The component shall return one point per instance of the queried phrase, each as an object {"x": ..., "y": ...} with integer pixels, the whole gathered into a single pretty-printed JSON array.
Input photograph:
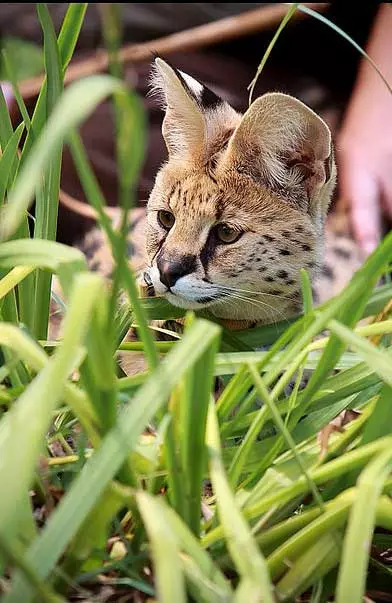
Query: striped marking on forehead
[{"x": 194, "y": 196}]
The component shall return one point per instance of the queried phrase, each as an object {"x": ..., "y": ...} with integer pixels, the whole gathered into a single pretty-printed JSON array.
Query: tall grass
[{"x": 109, "y": 476}]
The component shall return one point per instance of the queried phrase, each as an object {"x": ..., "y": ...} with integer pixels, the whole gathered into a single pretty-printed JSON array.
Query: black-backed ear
[
  {"x": 196, "y": 120},
  {"x": 283, "y": 144}
]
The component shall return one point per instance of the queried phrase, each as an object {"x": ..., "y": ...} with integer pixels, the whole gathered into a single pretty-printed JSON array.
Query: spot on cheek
[{"x": 282, "y": 274}]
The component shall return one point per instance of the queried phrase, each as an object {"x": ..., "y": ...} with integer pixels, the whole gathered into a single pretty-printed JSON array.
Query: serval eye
[
  {"x": 227, "y": 234},
  {"x": 166, "y": 219}
]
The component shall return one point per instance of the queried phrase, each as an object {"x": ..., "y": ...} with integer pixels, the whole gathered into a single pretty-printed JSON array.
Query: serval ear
[
  {"x": 284, "y": 145},
  {"x": 197, "y": 122}
]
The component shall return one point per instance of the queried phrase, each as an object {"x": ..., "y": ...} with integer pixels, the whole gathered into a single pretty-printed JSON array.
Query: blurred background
[{"x": 310, "y": 61}]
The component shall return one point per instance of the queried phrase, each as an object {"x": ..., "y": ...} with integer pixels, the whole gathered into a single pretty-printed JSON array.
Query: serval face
[{"x": 239, "y": 207}]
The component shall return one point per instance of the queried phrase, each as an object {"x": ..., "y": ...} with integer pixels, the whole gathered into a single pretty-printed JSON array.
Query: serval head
[{"x": 239, "y": 207}]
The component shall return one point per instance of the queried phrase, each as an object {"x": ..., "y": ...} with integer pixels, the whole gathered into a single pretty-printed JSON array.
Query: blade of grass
[
  {"x": 67, "y": 40},
  {"x": 30, "y": 352},
  {"x": 200, "y": 586},
  {"x": 380, "y": 421},
  {"x": 307, "y": 10},
  {"x": 350, "y": 311},
  {"x": 6, "y": 129},
  {"x": 191, "y": 546},
  {"x": 10, "y": 71},
  {"x": 46, "y": 206},
  {"x": 14, "y": 277},
  {"x": 174, "y": 480},
  {"x": 375, "y": 358},
  {"x": 193, "y": 417},
  {"x": 44, "y": 254},
  {"x": 87, "y": 546},
  {"x": 15, "y": 558},
  {"x": 240, "y": 542},
  {"x": 310, "y": 567},
  {"x": 95, "y": 197},
  {"x": 351, "y": 460},
  {"x": 8, "y": 159},
  {"x": 23, "y": 438},
  {"x": 328, "y": 523},
  {"x": 169, "y": 575},
  {"x": 70, "y": 29},
  {"x": 101, "y": 468},
  {"x": 290, "y": 11},
  {"x": 77, "y": 102},
  {"x": 355, "y": 555},
  {"x": 268, "y": 334},
  {"x": 285, "y": 434}
]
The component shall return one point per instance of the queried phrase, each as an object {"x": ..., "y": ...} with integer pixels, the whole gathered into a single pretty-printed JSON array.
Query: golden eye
[
  {"x": 227, "y": 234},
  {"x": 166, "y": 219}
]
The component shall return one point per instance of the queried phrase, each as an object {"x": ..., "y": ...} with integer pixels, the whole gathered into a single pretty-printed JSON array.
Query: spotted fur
[{"x": 269, "y": 175}]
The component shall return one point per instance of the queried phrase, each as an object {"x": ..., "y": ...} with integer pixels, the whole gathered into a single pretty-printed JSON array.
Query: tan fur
[{"x": 268, "y": 174}]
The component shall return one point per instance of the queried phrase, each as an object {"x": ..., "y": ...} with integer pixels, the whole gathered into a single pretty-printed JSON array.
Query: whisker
[
  {"x": 270, "y": 311},
  {"x": 237, "y": 289}
]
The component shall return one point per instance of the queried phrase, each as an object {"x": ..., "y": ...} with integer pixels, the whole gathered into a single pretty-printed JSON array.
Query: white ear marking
[
  {"x": 195, "y": 86},
  {"x": 195, "y": 118}
]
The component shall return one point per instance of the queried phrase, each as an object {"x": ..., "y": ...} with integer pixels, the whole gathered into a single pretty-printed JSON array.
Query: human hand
[
  {"x": 364, "y": 144},
  {"x": 364, "y": 149}
]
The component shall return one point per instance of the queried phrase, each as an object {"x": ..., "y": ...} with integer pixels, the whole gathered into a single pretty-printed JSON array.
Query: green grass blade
[
  {"x": 380, "y": 421},
  {"x": 15, "y": 558},
  {"x": 67, "y": 39},
  {"x": 240, "y": 542},
  {"x": 70, "y": 31},
  {"x": 375, "y": 358},
  {"x": 10, "y": 71},
  {"x": 247, "y": 591},
  {"x": 190, "y": 545},
  {"x": 193, "y": 416},
  {"x": 7, "y": 161},
  {"x": 92, "y": 537},
  {"x": 310, "y": 567},
  {"x": 328, "y": 522},
  {"x": 285, "y": 434},
  {"x": 244, "y": 449},
  {"x": 6, "y": 129},
  {"x": 200, "y": 586},
  {"x": 30, "y": 352},
  {"x": 22, "y": 438},
  {"x": 355, "y": 556},
  {"x": 352, "y": 303},
  {"x": 169, "y": 576},
  {"x": 307, "y": 10},
  {"x": 102, "y": 467},
  {"x": 46, "y": 206},
  {"x": 255, "y": 506},
  {"x": 95, "y": 197},
  {"x": 15, "y": 276},
  {"x": 291, "y": 10},
  {"x": 44, "y": 254},
  {"x": 77, "y": 102}
]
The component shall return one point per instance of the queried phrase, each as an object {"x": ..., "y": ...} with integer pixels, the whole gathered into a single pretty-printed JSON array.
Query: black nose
[{"x": 171, "y": 270}]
